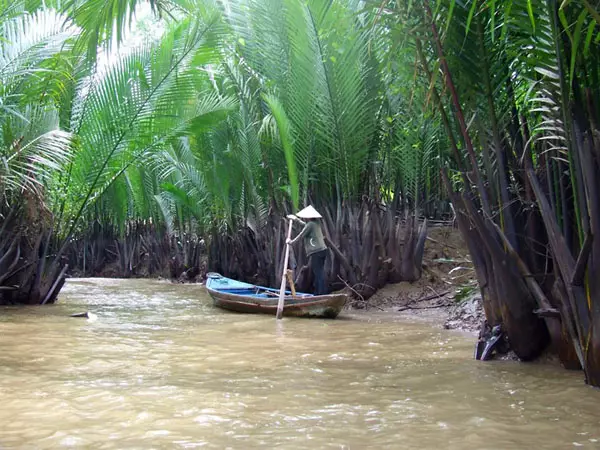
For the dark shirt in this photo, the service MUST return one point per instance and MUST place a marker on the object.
(313, 238)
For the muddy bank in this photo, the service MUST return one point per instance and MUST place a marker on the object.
(447, 295)
(445, 311)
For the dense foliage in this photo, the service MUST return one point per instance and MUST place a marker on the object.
(212, 118)
(207, 119)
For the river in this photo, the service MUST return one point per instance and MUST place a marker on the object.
(159, 367)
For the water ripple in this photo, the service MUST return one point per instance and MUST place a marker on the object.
(160, 367)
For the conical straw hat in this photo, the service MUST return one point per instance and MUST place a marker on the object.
(309, 213)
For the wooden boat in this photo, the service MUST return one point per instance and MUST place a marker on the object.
(247, 298)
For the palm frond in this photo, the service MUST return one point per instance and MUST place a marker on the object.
(142, 101)
(29, 40)
(28, 165)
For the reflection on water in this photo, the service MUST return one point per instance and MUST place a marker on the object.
(160, 367)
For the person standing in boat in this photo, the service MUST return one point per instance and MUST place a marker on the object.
(314, 244)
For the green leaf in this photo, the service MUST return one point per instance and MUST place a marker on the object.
(565, 23)
(470, 16)
(450, 12)
(492, 6)
(284, 127)
(588, 37)
(576, 42)
(531, 14)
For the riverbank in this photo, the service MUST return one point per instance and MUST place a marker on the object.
(447, 294)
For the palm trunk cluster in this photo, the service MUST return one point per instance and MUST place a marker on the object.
(29, 272)
(141, 250)
(369, 245)
(531, 222)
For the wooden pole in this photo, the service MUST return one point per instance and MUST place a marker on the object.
(283, 276)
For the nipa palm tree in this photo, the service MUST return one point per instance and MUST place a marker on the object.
(518, 80)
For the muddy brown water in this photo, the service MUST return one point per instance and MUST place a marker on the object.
(161, 368)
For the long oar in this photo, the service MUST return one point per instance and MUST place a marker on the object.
(283, 276)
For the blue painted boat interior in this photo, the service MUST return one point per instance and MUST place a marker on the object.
(229, 286)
